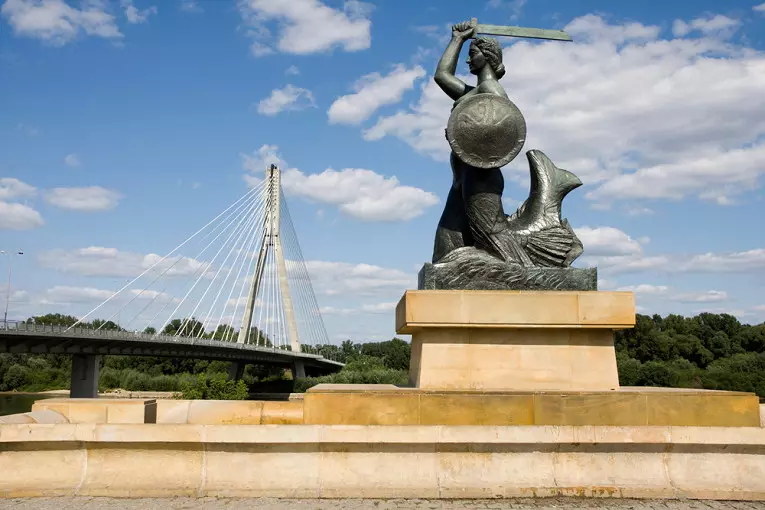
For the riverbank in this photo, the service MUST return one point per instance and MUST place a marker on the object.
(118, 393)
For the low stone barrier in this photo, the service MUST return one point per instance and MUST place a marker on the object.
(230, 412)
(101, 410)
(381, 461)
(196, 412)
(44, 416)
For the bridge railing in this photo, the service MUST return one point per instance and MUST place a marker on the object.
(64, 331)
(26, 327)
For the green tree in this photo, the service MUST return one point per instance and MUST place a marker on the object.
(53, 319)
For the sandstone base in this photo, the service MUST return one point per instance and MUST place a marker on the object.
(288, 461)
(514, 340)
(347, 404)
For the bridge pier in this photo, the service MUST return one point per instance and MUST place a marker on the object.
(236, 371)
(298, 370)
(85, 376)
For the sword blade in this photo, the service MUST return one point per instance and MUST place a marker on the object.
(530, 33)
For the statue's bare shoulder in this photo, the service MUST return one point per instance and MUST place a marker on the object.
(491, 87)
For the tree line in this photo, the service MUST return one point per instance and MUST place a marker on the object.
(712, 351)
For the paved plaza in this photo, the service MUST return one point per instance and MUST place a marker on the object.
(370, 504)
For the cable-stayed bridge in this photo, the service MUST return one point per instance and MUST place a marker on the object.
(237, 289)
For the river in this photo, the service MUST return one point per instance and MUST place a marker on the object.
(18, 403)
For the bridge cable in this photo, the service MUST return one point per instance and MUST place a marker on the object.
(161, 260)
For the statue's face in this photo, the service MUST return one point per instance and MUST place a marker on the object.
(476, 60)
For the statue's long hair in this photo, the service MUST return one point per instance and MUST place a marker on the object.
(492, 50)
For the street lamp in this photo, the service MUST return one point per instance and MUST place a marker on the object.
(8, 293)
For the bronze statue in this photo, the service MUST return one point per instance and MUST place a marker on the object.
(476, 242)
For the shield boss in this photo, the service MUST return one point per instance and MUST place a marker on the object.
(486, 131)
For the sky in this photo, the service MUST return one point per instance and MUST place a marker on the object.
(126, 125)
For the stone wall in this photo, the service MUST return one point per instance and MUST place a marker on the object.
(381, 462)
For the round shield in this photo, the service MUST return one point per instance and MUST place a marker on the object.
(486, 130)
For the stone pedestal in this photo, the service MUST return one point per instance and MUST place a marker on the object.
(514, 340)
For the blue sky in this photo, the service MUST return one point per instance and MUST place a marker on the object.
(127, 125)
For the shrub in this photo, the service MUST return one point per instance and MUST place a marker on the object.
(345, 376)
(216, 387)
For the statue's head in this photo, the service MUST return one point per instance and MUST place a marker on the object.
(483, 51)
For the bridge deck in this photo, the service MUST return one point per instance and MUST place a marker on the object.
(22, 338)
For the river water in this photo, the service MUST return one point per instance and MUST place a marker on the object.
(21, 403)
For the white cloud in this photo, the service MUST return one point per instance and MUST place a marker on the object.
(373, 91)
(27, 130)
(190, 6)
(607, 241)
(634, 115)
(292, 71)
(759, 8)
(134, 15)
(711, 296)
(380, 307)
(56, 22)
(614, 251)
(101, 261)
(377, 308)
(289, 98)
(645, 289)
(712, 176)
(342, 278)
(64, 295)
(72, 160)
(719, 24)
(515, 6)
(639, 211)
(307, 26)
(749, 260)
(18, 217)
(422, 126)
(360, 193)
(93, 198)
(11, 188)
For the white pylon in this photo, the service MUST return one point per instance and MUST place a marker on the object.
(271, 241)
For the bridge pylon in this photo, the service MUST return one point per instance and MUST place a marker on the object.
(271, 242)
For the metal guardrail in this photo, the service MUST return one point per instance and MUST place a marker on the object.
(15, 327)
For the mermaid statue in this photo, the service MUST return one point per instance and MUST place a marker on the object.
(477, 245)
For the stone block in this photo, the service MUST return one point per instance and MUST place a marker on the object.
(702, 409)
(361, 408)
(102, 410)
(345, 471)
(263, 470)
(513, 309)
(173, 411)
(628, 407)
(39, 470)
(612, 409)
(225, 412)
(513, 359)
(282, 413)
(143, 470)
(476, 409)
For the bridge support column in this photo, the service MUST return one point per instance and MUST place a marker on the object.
(85, 376)
(298, 370)
(236, 371)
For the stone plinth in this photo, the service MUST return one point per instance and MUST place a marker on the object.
(384, 404)
(514, 340)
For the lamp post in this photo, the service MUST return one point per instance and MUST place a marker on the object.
(8, 292)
